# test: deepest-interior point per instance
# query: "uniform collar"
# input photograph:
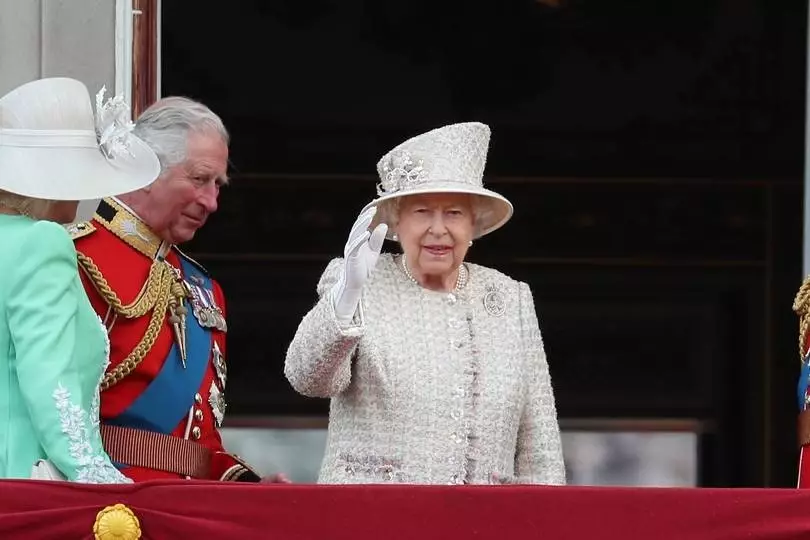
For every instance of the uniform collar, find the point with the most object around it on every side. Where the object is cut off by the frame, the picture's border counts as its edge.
(124, 223)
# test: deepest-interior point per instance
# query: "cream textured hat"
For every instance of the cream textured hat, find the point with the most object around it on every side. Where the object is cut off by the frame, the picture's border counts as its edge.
(449, 159)
(53, 147)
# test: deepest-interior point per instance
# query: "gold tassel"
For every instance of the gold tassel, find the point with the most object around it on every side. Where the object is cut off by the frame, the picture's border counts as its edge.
(177, 314)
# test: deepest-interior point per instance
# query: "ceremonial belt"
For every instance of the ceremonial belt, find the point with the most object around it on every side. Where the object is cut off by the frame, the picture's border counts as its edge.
(151, 450)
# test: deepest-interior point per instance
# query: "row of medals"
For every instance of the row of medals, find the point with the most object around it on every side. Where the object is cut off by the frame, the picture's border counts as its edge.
(210, 315)
(204, 308)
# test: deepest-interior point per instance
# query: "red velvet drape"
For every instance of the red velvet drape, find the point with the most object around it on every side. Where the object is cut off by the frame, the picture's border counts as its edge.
(175, 509)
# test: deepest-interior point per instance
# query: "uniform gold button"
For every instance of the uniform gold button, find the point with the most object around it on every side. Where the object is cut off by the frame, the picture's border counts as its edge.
(198, 415)
(197, 399)
(195, 433)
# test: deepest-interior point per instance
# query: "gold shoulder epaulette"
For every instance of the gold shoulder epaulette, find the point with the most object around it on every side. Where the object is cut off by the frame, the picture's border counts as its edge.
(80, 230)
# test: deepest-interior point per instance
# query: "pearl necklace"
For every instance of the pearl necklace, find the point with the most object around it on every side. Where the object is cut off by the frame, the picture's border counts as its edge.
(461, 279)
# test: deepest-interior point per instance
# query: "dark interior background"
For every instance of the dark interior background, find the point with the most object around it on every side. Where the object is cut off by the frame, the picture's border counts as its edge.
(653, 150)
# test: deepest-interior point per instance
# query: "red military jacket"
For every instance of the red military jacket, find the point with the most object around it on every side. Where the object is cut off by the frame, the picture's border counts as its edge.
(162, 399)
(803, 431)
(801, 306)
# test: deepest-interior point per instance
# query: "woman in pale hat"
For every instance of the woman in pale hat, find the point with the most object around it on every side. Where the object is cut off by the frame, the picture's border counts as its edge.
(435, 367)
(53, 347)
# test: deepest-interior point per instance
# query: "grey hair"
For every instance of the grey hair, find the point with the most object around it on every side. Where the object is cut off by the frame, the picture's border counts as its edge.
(481, 208)
(166, 125)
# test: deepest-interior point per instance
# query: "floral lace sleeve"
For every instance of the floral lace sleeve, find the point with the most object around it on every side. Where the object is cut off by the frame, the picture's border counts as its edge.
(60, 352)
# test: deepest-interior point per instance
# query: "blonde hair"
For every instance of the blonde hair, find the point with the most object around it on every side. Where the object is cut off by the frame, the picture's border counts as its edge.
(27, 206)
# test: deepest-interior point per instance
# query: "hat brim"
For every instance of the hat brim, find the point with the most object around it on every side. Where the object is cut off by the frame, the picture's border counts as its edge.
(76, 173)
(497, 212)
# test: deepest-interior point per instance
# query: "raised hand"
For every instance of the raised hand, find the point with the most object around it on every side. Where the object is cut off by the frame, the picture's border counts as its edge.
(360, 254)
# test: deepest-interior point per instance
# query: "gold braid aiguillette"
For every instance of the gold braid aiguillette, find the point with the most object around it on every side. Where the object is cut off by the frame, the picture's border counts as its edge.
(155, 296)
(801, 306)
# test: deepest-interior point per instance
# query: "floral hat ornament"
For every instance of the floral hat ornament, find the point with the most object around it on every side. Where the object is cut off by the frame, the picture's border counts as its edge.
(113, 125)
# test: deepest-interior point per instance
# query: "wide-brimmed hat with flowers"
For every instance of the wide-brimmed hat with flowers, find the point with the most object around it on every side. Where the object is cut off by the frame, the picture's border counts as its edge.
(53, 147)
(449, 159)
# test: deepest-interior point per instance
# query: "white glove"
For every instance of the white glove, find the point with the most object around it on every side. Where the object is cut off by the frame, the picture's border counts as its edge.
(359, 259)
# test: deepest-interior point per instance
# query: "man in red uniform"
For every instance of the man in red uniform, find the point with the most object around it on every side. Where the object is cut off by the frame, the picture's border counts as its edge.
(801, 305)
(163, 396)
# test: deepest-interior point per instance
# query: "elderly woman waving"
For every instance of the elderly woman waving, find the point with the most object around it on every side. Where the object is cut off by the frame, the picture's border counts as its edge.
(435, 366)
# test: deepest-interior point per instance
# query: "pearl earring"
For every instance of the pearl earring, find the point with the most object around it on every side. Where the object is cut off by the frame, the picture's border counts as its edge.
(470, 243)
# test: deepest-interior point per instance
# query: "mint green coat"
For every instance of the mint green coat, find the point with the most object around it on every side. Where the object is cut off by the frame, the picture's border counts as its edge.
(53, 353)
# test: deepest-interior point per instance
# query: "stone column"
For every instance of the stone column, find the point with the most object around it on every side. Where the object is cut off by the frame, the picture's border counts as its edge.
(57, 38)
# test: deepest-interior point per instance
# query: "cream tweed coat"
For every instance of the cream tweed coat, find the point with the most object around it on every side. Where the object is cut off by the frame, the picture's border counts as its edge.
(431, 388)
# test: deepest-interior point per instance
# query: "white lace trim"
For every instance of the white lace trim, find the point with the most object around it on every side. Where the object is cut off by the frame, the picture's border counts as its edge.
(106, 348)
(82, 428)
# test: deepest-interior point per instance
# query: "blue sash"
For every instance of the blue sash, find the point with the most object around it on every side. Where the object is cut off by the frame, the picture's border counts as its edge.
(804, 380)
(168, 398)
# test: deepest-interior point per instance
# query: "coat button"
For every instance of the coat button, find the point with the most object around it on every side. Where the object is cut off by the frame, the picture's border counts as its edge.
(195, 433)
(198, 415)
(197, 399)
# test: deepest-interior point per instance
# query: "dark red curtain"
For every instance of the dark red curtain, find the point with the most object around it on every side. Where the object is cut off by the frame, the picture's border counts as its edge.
(175, 509)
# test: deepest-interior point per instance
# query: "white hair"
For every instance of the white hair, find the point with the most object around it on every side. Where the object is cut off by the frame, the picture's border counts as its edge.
(481, 208)
(166, 125)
